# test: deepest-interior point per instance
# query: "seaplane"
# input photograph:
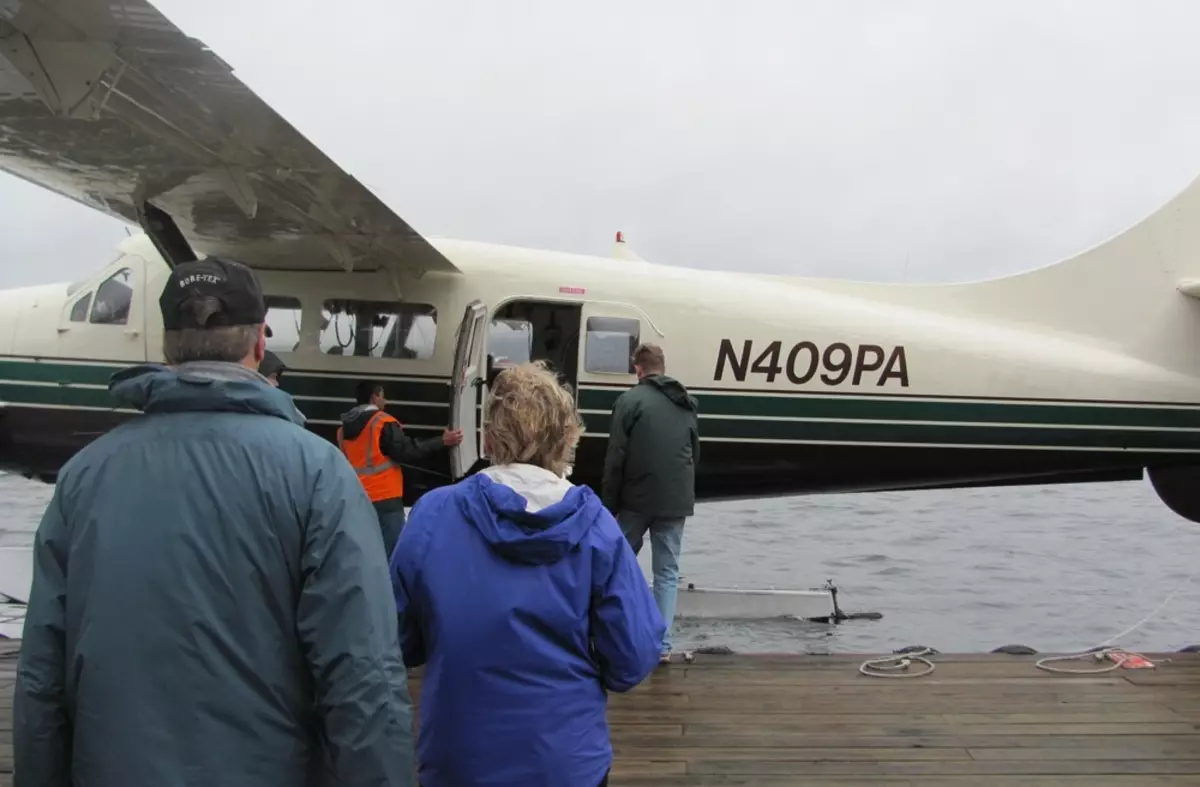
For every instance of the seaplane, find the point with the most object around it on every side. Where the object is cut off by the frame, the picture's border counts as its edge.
(1084, 370)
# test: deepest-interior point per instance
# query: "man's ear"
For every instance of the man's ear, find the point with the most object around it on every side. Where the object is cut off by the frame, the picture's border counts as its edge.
(260, 344)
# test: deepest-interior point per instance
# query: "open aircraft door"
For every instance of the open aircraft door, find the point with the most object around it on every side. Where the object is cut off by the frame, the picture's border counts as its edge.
(468, 380)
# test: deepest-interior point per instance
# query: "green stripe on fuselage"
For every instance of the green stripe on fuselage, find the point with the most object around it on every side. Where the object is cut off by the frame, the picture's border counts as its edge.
(308, 384)
(906, 409)
(61, 384)
(61, 372)
(58, 396)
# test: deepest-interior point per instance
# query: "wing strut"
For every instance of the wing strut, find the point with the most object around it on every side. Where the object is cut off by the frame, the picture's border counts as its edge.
(165, 234)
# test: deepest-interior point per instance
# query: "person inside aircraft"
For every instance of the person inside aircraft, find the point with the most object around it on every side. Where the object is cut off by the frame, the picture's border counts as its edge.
(184, 597)
(555, 611)
(376, 446)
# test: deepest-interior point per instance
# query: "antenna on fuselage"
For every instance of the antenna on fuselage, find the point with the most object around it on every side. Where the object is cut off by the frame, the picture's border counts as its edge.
(621, 250)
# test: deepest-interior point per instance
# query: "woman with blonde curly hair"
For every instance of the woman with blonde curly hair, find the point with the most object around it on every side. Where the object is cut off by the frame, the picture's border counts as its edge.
(518, 593)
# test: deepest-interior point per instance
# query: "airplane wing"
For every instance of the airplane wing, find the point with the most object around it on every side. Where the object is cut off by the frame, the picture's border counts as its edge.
(110, 104)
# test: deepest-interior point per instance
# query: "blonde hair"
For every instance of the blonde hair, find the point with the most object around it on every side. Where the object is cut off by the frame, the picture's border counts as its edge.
(531, 418)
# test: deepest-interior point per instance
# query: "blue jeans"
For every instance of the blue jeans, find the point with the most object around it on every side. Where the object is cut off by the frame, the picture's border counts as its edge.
(390, 523)
(666, 542)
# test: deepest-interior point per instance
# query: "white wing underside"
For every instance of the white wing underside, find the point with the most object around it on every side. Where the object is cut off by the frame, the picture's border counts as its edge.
(110, 104)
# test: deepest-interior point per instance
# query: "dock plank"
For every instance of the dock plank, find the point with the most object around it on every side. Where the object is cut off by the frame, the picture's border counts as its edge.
(994, 720)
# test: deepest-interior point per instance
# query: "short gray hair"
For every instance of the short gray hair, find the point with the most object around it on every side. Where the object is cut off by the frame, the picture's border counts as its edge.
(231, 344)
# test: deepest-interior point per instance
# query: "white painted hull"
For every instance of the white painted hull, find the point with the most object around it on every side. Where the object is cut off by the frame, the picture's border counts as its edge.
(16, 580)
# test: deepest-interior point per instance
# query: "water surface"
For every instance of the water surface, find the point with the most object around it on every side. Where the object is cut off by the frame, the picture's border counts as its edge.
(1058, 568)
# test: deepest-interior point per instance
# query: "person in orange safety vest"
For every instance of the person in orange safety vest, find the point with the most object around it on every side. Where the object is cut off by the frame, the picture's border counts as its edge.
(376, 445)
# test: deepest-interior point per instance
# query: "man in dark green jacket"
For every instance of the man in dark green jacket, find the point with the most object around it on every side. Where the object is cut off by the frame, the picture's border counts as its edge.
(650, 471)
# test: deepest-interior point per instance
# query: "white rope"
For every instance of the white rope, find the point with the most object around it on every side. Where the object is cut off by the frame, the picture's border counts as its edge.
(889, 666)
(1102, 652)
(1097, 655)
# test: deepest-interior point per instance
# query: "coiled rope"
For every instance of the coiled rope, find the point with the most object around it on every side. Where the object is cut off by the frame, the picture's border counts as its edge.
(889, 666)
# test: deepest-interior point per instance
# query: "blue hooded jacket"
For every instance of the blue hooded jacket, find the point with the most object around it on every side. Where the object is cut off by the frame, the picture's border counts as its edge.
(520, 596)
(210, 603)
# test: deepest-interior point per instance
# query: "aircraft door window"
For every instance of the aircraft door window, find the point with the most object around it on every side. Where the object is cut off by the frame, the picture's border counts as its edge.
(79, 311)
(609, 345)
(510, 342)
(113, 299)
(379, 329)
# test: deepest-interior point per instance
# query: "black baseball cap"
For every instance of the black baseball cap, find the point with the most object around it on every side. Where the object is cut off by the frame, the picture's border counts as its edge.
(211, 293)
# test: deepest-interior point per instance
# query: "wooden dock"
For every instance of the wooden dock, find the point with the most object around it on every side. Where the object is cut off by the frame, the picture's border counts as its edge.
(814, 721)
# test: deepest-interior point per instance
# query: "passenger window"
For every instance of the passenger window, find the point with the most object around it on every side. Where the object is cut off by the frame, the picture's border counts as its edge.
(510, 342)
(113, 299)
(79, 311)
(379, 329)
(283, 318)
(610, 344)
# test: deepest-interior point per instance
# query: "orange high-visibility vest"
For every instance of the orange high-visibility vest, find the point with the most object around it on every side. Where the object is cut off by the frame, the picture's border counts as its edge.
(380, 476)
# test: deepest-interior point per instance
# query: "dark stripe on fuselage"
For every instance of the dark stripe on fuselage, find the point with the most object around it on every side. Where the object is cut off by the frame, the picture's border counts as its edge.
(39, 441)
(754, 444)
(906, 408)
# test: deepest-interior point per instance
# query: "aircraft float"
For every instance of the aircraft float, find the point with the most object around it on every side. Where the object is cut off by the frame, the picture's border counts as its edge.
(1086, 370)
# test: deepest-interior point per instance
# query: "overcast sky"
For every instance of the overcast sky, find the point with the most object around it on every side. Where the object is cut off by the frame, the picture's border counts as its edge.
(868, 139)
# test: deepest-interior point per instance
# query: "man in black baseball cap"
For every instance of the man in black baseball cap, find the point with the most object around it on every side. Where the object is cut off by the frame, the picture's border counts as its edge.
(256, 566)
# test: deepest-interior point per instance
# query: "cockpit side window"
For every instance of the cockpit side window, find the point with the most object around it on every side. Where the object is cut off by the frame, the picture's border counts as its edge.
(79, 311)
(113, 299)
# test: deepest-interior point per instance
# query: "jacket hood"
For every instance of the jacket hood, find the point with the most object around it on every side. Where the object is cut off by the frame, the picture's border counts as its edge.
(201, 387)
(673, 390)
(527, 514)
(355, 419)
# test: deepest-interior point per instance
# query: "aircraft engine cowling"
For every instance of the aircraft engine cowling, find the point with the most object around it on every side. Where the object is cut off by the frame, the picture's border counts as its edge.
(1178, 486)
